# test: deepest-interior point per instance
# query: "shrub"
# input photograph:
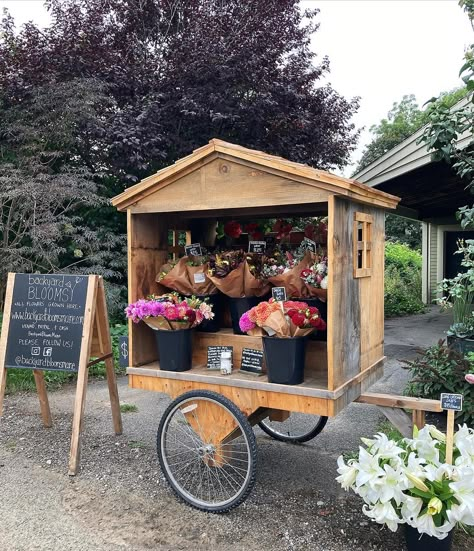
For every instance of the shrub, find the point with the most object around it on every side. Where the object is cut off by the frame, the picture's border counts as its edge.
(402, 280)
(439, 369)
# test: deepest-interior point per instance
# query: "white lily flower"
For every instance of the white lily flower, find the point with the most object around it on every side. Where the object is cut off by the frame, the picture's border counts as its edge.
(460, 513)
(368, 466)
(437, 434)
(390, 486)
(425, 525)
(347, 473)
(410, 510)
(440, 472)
(463, 488)
(464, 442)
(383, 513)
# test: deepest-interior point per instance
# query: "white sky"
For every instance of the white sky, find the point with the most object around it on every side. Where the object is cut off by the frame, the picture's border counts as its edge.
(379, 50)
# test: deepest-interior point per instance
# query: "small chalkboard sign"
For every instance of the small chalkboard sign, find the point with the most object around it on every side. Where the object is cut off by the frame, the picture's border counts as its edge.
(451, 401)
(269, 241)
(279, 294)
(214, 356)
(252, 361)
(257, 247)
(309, 245)
(123, 352)
(193, 250)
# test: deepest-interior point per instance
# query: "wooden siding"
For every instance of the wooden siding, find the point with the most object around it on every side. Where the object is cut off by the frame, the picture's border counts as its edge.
(355, 306)
(246, 185)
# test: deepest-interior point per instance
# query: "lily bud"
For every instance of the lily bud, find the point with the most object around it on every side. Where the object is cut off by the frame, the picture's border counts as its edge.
(434, 506)
(435, 433)
(417, 482)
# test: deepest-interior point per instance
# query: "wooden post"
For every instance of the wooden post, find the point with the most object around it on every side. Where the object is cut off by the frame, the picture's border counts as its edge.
(4, 337)
(43, 398)
(80, 401)
(450, 437)
(418, 417)
(105, 343)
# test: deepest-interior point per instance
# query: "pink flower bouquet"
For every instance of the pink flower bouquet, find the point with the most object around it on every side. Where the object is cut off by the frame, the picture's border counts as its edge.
(296, 319)
(170, 312)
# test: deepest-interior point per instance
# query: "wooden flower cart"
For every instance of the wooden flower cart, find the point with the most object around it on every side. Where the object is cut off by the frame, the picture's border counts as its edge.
(206, 445)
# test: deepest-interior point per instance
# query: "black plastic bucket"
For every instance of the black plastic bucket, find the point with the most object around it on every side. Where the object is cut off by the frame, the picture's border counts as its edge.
(238, 307)
(175, 349)
(214, 325)
(422, 542)
(284, 359)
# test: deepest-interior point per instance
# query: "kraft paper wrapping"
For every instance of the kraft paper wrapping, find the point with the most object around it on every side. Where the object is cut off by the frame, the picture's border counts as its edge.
(291, 280)
(316, 292)
(160, 322)
(181, 279)
(241, 283)
(281, 325)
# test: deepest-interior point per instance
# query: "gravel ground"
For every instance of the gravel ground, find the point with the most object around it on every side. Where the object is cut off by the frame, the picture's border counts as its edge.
(120, 500)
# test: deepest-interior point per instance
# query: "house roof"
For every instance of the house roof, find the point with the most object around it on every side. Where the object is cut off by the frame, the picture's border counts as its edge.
(406, 156)
(289, 169)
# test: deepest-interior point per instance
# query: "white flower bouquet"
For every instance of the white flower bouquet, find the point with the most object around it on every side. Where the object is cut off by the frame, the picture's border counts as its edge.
(409, 482)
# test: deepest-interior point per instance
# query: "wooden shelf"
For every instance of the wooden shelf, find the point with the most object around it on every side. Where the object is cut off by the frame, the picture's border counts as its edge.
(314, 384)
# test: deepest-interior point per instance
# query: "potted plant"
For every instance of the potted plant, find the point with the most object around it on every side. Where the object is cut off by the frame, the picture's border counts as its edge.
(408, 482)
(283, 327)
(172, 318)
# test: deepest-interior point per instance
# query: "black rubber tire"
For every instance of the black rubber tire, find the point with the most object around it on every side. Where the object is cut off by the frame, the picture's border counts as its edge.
(249, 437)
(295, 439)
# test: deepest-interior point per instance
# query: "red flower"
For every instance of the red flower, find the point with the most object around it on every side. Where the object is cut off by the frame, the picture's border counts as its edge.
(282, 227)
(309, 231)
(305, 273)
(313, 311)
(257, 236)
(298, 319)
(232, 229)
(191, 315)
(251, 228)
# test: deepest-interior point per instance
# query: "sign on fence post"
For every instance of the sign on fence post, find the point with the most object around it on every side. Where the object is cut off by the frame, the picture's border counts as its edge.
(452, 403)
(57, 322)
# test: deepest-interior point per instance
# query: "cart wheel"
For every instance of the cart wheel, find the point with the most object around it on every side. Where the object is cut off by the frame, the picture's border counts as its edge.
(207, 451)
(299, 427)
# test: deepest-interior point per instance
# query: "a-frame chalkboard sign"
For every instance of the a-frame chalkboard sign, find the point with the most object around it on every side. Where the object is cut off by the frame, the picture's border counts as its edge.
(58, 322)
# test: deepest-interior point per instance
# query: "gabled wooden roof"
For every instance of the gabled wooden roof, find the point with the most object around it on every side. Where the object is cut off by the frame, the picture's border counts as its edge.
(295, 171)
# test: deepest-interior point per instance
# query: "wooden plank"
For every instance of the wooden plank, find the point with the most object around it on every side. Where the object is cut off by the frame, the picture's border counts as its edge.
(404, 402)
(4, 336)
(244, 186)
(102, 325)
(147, 251)
(399, 420)
(80, 399)
(450, 436)
(343, 296)
(248, 400)
(43, 398)
(418, 418)
(363, 217)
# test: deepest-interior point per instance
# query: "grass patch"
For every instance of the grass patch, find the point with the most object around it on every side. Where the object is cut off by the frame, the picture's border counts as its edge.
(128, 408)
(136, 444)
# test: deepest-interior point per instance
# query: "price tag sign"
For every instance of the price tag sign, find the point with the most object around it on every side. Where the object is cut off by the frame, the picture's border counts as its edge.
(199, 277)
(193, 250)
(123, 352)
(451, 401)
(270, 241)
(252, 361)
(214, 356)
(279, 294)
(257, 247)
(309, 245)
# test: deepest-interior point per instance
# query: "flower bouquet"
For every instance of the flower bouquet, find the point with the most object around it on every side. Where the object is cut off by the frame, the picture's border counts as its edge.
(188, 276)
(283, 327)
(408, 482)
(238, 274)
(172, 318)
(283, 269)
(315, 277)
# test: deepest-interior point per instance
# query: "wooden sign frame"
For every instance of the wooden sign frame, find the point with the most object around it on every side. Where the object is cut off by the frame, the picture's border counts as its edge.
(96, 343)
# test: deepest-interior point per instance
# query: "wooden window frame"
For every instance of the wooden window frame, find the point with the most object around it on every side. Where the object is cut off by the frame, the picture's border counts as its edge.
(362, 247)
